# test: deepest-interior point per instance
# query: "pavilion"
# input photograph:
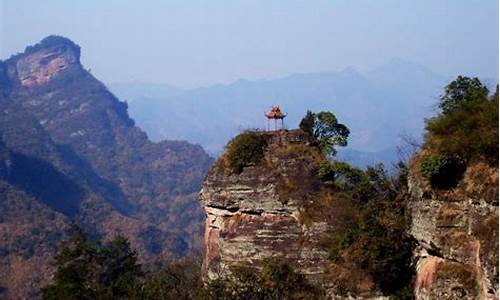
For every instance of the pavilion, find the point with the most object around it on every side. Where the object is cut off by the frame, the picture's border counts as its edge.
(275, 114)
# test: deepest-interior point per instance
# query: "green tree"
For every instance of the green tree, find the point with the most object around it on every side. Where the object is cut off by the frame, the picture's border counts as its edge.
(118, 269)
(460, 91)
(77, 266)
(467, 130)
(325, 130)
(87, 269)
(307, 123)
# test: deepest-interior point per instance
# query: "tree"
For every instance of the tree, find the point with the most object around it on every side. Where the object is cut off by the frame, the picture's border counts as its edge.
(325, 130)
(467, 129)
(87, 269)
(372, 234)
(460, 91)
(77, 265)
(307, 123)
(119, 271)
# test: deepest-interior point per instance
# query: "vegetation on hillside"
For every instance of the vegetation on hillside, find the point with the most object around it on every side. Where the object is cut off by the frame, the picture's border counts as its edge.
(365, 209)
(90, 269)
(276, 281)
(465, 131)
(366, 212)
(73, 153)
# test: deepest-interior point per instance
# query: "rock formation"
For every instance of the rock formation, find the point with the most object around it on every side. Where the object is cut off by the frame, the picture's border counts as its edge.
(39, 65)
(457, 234)
(250, 219)
(259, 214)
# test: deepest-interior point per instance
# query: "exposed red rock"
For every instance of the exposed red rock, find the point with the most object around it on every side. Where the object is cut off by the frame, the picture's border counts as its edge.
(457, 231)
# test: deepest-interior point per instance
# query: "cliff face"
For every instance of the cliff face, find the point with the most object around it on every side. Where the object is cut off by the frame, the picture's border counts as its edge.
(251, 218)
(40, 64)
(457, 234)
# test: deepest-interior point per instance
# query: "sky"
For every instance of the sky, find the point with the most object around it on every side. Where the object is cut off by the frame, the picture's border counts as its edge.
(203, 42)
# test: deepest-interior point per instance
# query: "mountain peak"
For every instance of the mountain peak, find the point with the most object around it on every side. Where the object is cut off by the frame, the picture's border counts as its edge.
(41, 62)
(400, 66)
(54, 41)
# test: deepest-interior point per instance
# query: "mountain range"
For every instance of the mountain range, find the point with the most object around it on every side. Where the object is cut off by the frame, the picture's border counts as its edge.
(379, 106)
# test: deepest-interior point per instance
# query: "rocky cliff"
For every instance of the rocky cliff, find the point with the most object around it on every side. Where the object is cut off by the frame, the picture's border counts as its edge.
(250, 220)
(271, 210)
(457, 234)
(279, 208)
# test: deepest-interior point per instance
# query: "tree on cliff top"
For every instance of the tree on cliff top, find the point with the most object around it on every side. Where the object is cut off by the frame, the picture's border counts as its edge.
(466, 131)
(461, 91)
(324, 128)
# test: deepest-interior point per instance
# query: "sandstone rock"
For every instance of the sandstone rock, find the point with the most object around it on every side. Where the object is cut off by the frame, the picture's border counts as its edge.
(41, 63)
(259, 215)
(248, 222)
(457, 231)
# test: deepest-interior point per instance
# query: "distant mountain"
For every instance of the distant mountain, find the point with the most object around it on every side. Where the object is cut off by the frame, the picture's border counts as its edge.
(69, 152)
(138, 90)
(362, 159)
(377, 106)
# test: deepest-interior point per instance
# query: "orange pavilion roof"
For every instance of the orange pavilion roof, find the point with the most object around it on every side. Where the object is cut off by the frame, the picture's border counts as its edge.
(275, 113)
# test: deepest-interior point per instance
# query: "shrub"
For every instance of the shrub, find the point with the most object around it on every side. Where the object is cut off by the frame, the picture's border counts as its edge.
(245, 150)
(276, 281)
(343, 177)
(443, 172)
(434, 165)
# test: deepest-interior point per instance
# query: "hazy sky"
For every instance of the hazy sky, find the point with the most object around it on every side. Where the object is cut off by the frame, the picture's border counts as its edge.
(192, 42)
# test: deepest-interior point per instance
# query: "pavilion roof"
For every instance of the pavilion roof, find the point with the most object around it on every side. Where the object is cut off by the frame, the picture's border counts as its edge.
(275, 113)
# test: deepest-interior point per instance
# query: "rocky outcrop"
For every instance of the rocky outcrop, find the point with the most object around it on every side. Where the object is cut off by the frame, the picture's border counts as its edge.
(457, 234)
(264, 213)
(42, 62)
(259, 214)
(251, 220)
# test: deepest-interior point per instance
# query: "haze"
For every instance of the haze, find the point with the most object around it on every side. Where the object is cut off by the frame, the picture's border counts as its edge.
(200, 43)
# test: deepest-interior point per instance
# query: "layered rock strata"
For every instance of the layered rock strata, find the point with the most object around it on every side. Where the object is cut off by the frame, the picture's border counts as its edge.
(250, 220)
(457, 234)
